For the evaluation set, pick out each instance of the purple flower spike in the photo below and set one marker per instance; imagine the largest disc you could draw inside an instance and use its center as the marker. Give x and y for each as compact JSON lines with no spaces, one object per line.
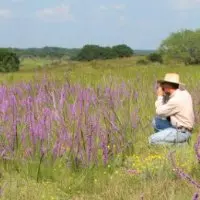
{"x":197,"y":149}
{"x":196,"y":196}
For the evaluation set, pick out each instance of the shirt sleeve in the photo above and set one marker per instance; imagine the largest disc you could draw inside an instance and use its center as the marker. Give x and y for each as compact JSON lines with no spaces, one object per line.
{"x":159,"y":101}
{"x":165,"y":110}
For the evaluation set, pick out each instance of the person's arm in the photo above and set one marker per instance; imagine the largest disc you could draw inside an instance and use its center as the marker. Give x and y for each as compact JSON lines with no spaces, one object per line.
{"x":160,"y":97}
{"x":168,"y":109}
{"x":159,"y":101}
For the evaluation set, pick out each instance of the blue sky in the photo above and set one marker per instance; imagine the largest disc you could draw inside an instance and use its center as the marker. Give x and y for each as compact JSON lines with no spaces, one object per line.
{"x":141,"y":24}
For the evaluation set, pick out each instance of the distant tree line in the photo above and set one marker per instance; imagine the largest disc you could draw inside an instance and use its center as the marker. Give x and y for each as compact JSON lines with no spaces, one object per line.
{"x":77,"y":53}
{"x":50,"y":52}
{"x":10,"y":57}
{"x":182,"y":46}
{"x":95,"y":52}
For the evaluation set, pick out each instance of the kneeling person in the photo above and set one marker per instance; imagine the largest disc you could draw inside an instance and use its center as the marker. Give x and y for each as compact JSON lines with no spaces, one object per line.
{"x":174,"y":119}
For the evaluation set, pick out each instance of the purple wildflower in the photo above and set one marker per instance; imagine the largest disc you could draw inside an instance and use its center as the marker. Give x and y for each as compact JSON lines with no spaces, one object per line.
{"x":197,"y":149}
{"x":196,"y":196}
{"x":182,"y":174}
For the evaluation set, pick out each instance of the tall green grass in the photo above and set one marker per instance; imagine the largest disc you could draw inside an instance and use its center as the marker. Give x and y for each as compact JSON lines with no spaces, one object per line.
{"x":19,"y":179}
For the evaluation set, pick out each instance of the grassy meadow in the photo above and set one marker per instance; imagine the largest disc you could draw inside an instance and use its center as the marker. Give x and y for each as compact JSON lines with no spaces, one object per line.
{"x":79,"y":130}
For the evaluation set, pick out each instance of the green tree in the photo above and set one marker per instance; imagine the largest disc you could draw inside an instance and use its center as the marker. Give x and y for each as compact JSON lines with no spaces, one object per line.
{"x":9,"y":62}
{"x":123,"y":50}
{"x":89,"y":52}
{"x":93,"y":52}
{"x":182,"y":46}
{"x":108,"y":53}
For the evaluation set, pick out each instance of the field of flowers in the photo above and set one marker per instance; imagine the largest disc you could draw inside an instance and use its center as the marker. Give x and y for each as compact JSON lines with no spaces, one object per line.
{"x":85,"y":136}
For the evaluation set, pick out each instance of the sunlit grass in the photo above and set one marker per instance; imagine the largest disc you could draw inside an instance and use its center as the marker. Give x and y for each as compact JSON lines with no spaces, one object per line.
{"x":146,"y":172}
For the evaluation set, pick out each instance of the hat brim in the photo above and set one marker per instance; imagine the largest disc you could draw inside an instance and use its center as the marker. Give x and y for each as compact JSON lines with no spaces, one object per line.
{"x":163,"y":81}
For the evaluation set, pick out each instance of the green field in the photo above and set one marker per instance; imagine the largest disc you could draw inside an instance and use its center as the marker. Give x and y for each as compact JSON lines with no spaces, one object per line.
{"x":144,"y":172}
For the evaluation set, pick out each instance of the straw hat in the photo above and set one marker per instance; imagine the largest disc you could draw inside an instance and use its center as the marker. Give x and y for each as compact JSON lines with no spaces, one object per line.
{"x":171,"y":78}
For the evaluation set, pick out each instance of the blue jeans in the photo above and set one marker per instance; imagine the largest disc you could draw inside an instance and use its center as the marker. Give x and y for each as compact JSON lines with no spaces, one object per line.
{"x":166,"y":133}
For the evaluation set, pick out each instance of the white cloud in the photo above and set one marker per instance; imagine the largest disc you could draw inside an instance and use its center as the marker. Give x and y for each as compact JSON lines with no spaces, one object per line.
{"x":119,"y":7}
{"x":103,"y":8}
{"x":122,"y":18}
{"x":18,"y":1}
{"x":184,"y":5}
{"x":117,"y":10}
{"x":56,"y":14}
{"x":5,"y":13}
{"x":113,"y":7}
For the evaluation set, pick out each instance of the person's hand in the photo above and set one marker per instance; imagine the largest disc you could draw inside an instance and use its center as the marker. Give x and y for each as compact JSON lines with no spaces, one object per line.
{"x":160,"y":91}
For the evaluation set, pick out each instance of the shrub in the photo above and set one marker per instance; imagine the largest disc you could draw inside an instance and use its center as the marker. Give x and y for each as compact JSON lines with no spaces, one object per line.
{"x":142,"y":62}
{"x":155,"y":57}
{"x":9,"y":62}
{"x":123,"y":51}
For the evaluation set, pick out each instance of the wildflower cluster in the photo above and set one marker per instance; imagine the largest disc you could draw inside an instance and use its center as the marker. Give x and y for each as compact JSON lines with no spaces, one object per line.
{"x":82,"y":123}
{"x":151,"y":162}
